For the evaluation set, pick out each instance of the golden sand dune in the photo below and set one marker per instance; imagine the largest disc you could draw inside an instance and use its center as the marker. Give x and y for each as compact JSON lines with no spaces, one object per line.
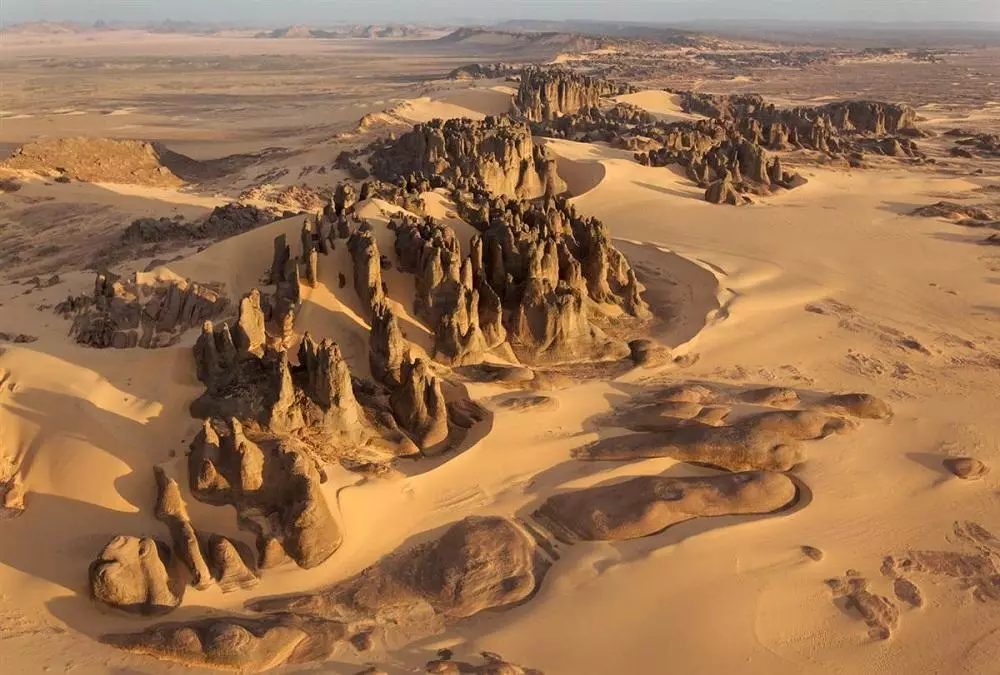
{"x":768,"y":494}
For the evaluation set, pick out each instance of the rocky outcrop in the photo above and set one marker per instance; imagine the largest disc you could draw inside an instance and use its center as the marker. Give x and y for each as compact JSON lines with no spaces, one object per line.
{"x":235,"y":644}
{"x":496,"y":153}
{"x":545,"y":94}
{"x":231,"y":569}
{"x":484,"y":71}
{"x":479,"y":563}
{"x":141,"y":311}
{"x":274,"y":485}
{"x":550,"y":325}
{"x":367,"y":267}
{"x":649,"y":504}
{"x":388,"y":350}
{"x":172,"y":511}
{"x":420,"y":408}
{"x":132,"y":575}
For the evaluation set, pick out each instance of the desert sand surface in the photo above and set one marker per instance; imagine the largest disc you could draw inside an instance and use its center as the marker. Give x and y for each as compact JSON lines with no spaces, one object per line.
{"x":793,"y":479}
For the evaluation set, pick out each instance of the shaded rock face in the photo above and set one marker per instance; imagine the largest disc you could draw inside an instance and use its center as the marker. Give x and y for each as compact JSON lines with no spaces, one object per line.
{"x":477,"y":565}
{"x":496,"y":153}
{"x":550,"y":325}
{"x":172,"y":511}
{"x":235,"y":644}
{"x":387,"y":349}
{"x":132,"y":575}
{"x":275,"y":487}
{"x":141,"y":311}
{"x":646,"y":505}
{"x":419,"y":406}
{"x":550,"y":93}
{"x":249,"y":376}
{"x":367,"y":267}
{"x":527,"y":286}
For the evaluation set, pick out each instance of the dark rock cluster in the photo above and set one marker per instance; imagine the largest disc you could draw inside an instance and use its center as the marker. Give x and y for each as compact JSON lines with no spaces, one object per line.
{"x":496,"y":153}
{"x":140,"y":311}
{"x":530,"y":284}
{"x":477,"y":564}
{"x":545,"y":94}
{"x":484,"y":71}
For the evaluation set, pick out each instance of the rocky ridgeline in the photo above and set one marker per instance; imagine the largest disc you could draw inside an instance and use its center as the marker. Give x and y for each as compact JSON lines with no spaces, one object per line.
{"x":484,"y":71}
{"x":840,"y":127}
{"x":496,"y":153}
{"x":545,"y":94}
{"x":529,"y":287}
{"x":140,"y":311}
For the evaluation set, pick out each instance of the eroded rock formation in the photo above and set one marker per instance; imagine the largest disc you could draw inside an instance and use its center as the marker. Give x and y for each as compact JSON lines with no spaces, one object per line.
{"x":496,"y":153}
{"x":274,"y":485}
{"x":648,"y":504}
{"x":133,"y":575}
{"x":141,"y":311}
{"x":545,"y":94}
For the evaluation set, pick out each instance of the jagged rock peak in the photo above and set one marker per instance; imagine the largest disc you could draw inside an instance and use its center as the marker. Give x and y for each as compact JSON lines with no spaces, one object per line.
{"x":420,"y":408}
{"x":172,"y":511}
{"x":143,"y":310}
{"x":388,"y":350}
{"x":274,"y":485}
{"x":496,"y":153}
{"x":367,"y":267}
{"x":545,"y":94}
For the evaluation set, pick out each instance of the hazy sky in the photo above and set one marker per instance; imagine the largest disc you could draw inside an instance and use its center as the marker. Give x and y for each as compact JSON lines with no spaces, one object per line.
{"x":283,"y":12}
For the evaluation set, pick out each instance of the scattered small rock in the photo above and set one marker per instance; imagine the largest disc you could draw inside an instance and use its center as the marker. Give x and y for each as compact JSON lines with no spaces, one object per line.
{"x":812,"y":553}
{"x":966,"y":468}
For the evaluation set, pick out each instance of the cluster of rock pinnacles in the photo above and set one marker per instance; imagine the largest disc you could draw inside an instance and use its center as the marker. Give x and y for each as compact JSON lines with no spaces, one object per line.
{"x":536,"y":285}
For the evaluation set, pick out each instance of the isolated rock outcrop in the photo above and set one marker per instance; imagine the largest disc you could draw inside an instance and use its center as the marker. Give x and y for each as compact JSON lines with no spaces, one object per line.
{"x":274,"y":485}
{"x":419,"y":406}
{"x":388,"y":350}
{"x":479,"y":563}
{"x":496,"y":153}
{"x":367,"y":267}
{"x":235,"y":644}
{"x":231,"y":570}
{"x":544,"y":94}
{"x":141,"y":311}
{"x":132,"y":575}
{"x":172,"y":511}
{"x":648,"y":504}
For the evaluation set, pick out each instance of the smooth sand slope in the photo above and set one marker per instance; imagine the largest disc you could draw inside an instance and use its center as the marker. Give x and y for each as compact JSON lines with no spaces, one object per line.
{"x":828,"y":288}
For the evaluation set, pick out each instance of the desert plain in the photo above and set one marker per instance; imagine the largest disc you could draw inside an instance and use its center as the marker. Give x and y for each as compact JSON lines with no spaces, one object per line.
{"x":611,"y":370}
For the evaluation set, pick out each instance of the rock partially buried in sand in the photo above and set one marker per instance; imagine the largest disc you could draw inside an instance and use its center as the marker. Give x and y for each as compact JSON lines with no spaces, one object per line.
{"x":864,"y":406}
{"x":229,"y":567}
{"x":494,"y":665}
{"x":235,"y":644}
{"x":766,"y":442}
{"x":479,"y":563}
{"x":880,"y":613}
{"x":132,"y":575}
{"x":649,"y":504}
{"x":273,"y":484}
{"x":172,"y":511}
{"x":966,"y":468}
